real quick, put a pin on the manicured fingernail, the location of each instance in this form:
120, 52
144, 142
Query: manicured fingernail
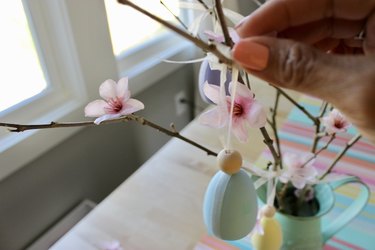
251, 55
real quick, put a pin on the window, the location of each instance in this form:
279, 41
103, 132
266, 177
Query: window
18, 54
129, 29
41, 79
69, 45
140, 44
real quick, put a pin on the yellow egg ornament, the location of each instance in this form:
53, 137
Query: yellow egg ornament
272, 237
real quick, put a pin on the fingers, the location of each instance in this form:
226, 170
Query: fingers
327, 44
292, 65
314, 32
278, 15
369, 43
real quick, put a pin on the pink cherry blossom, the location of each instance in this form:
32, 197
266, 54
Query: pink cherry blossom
116, 103
335, 122
247, 112
297, 171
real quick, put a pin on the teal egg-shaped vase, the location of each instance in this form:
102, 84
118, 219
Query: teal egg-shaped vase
230, 205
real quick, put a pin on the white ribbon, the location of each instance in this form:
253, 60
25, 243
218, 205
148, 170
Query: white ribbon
233, 96
184, 62
263, 175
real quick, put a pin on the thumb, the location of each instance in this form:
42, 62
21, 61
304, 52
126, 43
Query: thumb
291, 64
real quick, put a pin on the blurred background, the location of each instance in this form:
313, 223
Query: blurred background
54, 56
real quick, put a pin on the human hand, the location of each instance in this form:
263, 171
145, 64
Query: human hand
296, 58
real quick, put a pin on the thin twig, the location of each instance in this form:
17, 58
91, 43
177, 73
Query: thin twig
274, 123
223, 24
204, 4
171, 132
199, 43
13, 127
323, 109
341, 154
247, 80
318, 136
300, 107
269, 142
174, 15
333, 136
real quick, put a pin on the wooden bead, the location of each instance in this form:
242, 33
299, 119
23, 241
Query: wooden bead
229, 161
268, 211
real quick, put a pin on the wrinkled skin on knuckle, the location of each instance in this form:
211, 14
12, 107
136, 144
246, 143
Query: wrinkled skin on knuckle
297, 66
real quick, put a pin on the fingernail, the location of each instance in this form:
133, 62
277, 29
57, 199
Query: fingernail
251, 55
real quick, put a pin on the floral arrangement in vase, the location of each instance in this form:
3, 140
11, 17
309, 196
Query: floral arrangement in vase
289, 185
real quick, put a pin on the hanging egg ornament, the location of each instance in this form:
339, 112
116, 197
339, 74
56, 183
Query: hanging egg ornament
272, 238
212, 76
230, 202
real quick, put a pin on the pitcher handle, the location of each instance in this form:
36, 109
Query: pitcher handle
350, 212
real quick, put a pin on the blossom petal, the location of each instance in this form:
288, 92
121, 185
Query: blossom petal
131, 106
122, 89
242, 91
240, 131
213, 118
298, 182
283, 178
335, 122
196, 24
95, 108
192, 6
290, 159
214, 36
256, 116
234, 35
212, 92
106, 117
107, 89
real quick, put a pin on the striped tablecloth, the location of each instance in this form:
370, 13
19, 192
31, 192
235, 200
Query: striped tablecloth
296, 136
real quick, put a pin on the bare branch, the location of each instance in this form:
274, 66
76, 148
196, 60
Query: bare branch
333, 136
174, 15
318, 136
199, 43
171, 132
224, 27
341, 154
299, 106
273, 124
203, 3
269, 142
